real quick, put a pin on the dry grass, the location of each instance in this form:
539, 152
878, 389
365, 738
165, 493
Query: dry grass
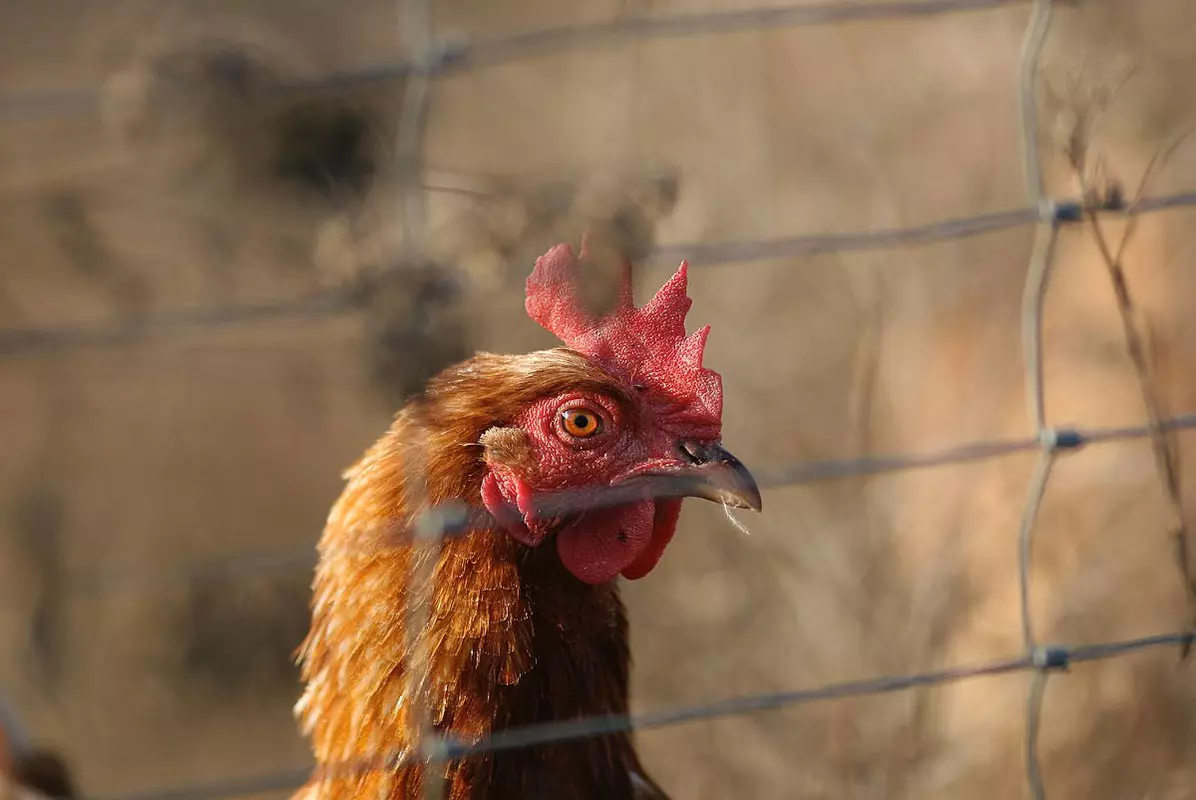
200, 184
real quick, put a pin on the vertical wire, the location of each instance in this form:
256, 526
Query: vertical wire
1036, 32
1033, 304
1034, 495
415, 25
1033, 301
14, 740
1038, 684
429, 536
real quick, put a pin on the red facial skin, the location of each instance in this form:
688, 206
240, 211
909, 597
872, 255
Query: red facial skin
599, 544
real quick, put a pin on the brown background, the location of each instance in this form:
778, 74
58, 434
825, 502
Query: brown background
134, 473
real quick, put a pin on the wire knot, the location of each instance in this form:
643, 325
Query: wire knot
1051, 658
1056, 439
444, 520
448, 51
441, 749
1059, 212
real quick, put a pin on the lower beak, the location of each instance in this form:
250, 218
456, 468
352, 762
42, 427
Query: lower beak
711, 474
703, 470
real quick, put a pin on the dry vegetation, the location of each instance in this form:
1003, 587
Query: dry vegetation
132, 471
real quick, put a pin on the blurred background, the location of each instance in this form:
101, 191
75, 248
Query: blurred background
208, 309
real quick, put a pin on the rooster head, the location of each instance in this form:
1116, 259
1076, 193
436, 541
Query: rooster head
602, 462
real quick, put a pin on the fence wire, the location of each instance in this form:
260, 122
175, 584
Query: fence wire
246, 564
416, 25
458, 53
14, 739
428, 57
32, 340
1034, 298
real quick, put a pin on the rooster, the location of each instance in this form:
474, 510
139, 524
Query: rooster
524, 623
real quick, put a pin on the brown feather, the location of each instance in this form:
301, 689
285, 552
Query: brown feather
511, 639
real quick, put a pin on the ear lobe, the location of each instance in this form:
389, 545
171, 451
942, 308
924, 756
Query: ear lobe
509, 448
505, 491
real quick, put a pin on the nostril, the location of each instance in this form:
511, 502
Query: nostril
692, 452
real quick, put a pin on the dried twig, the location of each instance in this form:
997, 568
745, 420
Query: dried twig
1136, 329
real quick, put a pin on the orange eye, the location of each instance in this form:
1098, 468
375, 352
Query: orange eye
581, 423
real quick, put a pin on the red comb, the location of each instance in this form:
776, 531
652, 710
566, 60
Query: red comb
646, 346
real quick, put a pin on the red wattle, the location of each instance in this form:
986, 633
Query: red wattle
598, 545
664, 525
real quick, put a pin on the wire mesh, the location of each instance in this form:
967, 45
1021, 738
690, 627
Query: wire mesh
237, 566
53, 338
428, 57
456, 53
1052, 658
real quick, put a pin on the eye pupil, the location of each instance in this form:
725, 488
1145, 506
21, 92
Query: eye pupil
580, 422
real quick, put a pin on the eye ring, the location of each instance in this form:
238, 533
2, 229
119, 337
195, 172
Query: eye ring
580, 422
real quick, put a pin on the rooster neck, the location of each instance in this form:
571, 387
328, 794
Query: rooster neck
511, 639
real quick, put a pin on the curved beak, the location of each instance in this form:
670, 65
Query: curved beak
701, 469
707, 471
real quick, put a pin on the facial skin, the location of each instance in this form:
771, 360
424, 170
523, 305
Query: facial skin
588, 443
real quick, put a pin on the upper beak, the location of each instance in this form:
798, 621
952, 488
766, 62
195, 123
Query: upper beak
704, 470
710, 472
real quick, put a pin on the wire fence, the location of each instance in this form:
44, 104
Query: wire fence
245, 564
429, 57
332, 302
454, 53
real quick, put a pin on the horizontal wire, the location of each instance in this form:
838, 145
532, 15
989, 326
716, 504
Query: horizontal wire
1163, 202
50, 338
531, 736
229, 566
573, 730
1102, 650
222, 567
763, 249
959, 454
35, 339
503, 49
281, 781
570, 37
